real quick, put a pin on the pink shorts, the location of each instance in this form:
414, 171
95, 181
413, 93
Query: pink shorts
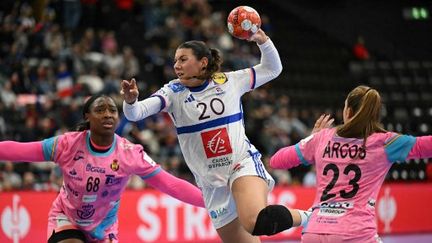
328, 238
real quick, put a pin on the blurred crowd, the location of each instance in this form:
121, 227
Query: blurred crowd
54, 54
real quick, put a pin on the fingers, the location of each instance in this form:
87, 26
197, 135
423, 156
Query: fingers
324, 121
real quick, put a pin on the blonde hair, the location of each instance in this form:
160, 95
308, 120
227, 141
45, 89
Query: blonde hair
365, 103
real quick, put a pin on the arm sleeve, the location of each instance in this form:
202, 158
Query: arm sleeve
270, 66
177, 188
142, 109
422, 148
22, 152
285, 158
397, 147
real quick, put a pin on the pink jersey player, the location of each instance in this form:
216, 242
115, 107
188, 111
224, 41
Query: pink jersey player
96, 165
351, 163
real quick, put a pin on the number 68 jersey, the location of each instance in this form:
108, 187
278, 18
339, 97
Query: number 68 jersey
209, 123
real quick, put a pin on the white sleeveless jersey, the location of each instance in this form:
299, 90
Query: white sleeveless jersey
209, 122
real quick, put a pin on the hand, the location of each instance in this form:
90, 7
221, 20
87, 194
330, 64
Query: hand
323, 121
129, 91
259, 37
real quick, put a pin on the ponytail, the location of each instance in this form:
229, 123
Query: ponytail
365, 103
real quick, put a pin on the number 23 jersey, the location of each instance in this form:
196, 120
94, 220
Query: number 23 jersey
209, 123
349, 178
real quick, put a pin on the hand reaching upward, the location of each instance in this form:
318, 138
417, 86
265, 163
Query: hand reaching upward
129, 91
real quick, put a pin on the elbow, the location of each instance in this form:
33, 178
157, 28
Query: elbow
279, 70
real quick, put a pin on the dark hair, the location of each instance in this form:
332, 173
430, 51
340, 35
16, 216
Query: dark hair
201, 50
365, 104
85, 125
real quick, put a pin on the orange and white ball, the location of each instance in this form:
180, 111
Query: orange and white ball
243, 22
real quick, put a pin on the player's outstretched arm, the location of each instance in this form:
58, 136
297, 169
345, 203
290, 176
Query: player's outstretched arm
285, 158
270, 65
21, 152
422, 148
177, 188
133, 110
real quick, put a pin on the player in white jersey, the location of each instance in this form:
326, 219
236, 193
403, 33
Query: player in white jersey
205, 107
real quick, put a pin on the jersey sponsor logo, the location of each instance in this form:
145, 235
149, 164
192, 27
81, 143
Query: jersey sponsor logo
176, 87
333, 212
343, 150
86, 212
89, 198
115, 165
85, 222
74, 175
219, 91
219, 78
335, 209
337, 205
71, 190
220, 162
216, 142
96, 169
237, 168
78, 155
218, 212
112, 180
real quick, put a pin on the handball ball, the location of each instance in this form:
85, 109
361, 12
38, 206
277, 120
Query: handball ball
243, 22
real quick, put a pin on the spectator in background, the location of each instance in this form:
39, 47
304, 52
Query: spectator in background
359, 50
72, 13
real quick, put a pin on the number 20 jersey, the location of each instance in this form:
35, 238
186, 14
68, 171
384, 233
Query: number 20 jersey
209, 123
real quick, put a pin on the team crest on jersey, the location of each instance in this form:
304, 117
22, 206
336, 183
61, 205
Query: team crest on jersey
115, 165
216, 142
176, 87
219, 78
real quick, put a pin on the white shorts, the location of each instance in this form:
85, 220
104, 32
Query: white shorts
220, 202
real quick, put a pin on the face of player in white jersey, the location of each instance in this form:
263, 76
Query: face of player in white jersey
187, 67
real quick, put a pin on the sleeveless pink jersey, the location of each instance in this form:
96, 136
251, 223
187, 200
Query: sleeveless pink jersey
92, 181
349, 178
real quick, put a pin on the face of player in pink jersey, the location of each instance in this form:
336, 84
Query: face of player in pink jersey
103, 116
187, 67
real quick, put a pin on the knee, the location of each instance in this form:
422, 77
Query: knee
249, 223
272, 220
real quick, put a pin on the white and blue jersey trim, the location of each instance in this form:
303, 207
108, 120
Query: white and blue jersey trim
253, 78
214, 123
259, 167
398, 147
163, 103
